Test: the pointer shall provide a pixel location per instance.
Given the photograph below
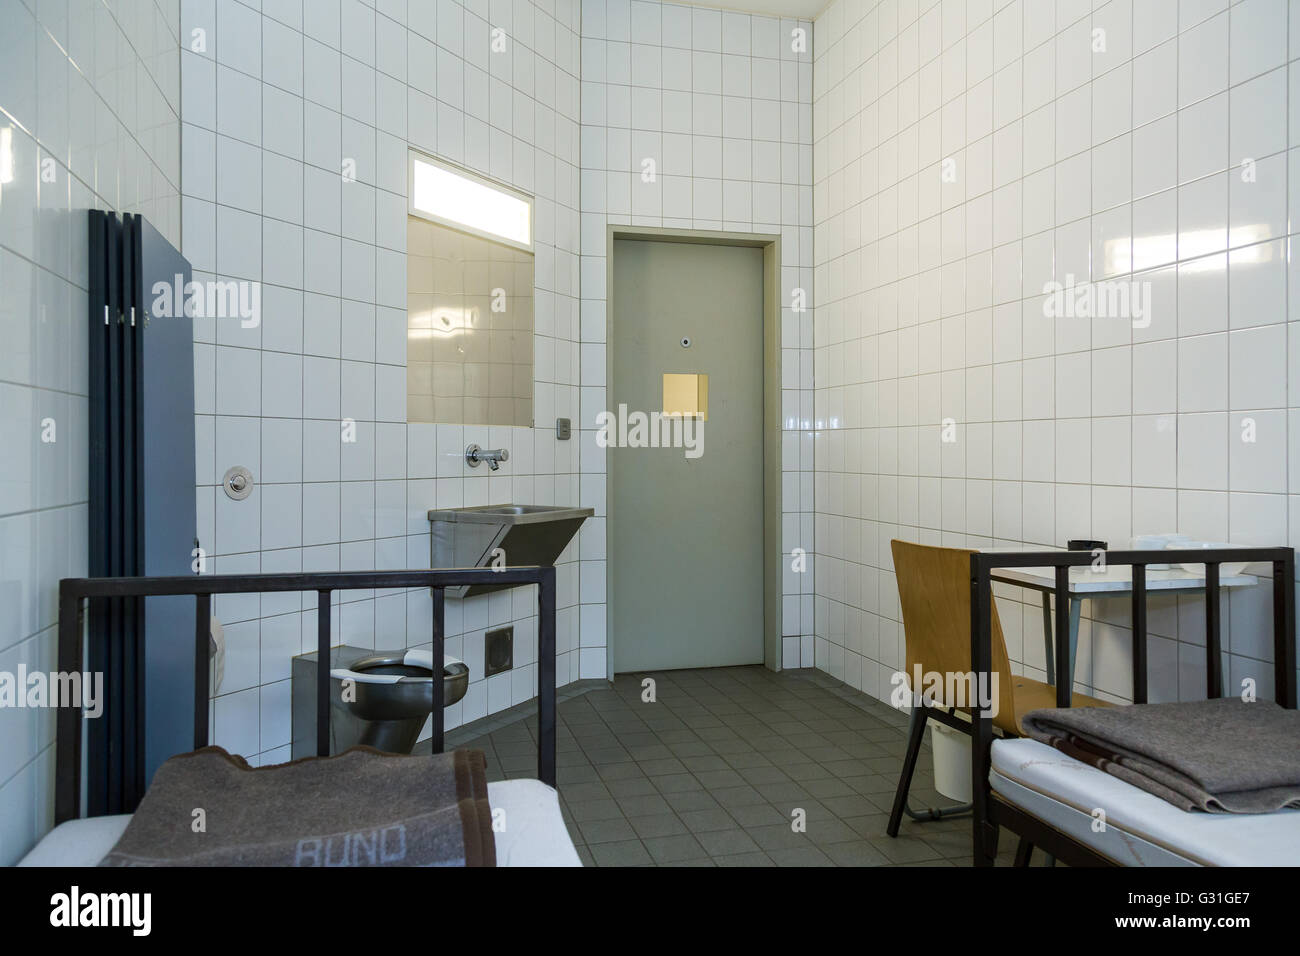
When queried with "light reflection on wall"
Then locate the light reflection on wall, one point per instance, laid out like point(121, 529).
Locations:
point(1122, 255)
point(442, 322)
point(6, 154)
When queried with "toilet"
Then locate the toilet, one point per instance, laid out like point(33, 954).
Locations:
point(391, 694)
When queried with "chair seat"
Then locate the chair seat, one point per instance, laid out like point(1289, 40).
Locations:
point(1030, 694)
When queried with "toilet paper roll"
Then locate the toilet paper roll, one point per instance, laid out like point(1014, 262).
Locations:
point(217, 651)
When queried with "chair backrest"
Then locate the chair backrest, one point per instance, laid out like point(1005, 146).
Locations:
point(934, 592)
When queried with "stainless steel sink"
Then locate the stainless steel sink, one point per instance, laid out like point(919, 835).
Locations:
point(526, 535)
point(520, 514)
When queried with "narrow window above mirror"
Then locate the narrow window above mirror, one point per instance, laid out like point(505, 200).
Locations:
point(458, 198)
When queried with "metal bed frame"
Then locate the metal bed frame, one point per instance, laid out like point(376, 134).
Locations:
point(116, 772)
point(990, 810)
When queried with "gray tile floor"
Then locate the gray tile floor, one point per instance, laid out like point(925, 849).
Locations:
point(713, 772)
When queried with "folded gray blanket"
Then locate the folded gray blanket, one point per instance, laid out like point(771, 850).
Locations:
point(360, 808)
point(1222, 756)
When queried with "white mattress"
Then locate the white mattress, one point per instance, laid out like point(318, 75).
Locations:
point(534, 833)
point(1141, 829)
point(531, 831)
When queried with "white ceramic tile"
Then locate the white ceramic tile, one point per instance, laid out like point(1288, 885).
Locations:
point(1257, 367)
point(1258, 38)
point(1202, 462)
point(1111, 451)
point(237, 727)
point(1155, 82)
point(1256, 106)
point(1257, 286)
point(1155, 376)
point(1155, 443)
point(1202, 373)
point(282, 122)
point(1155, 229)
point(1112, 381)
point(281, 516)
point(1112, 173)
point(1257, 444)
point(239, 105)
point(1203, 138)
point(1153, 23)
point(1203, 295)
point(1202, 60)
point(1257, 201)
point(1073, 450)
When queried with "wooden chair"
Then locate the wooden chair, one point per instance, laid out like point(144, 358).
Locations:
point(934, 593)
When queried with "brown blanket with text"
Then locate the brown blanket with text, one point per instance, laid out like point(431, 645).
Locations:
point(360, 808)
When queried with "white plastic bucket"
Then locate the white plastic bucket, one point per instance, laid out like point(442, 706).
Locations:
point(951, 762)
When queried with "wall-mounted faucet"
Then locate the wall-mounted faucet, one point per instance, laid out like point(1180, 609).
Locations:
point(475, 456)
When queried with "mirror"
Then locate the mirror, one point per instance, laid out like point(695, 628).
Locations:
point(469, 328)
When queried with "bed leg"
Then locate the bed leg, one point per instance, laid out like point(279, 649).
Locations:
point(1024, 850)
point(986, 843)
point(546, 716)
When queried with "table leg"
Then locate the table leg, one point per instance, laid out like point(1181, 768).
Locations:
point(1076, 605)
point(1047, 636)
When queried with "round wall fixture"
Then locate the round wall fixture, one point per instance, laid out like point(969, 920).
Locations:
point(238, 483)
point(686, 341)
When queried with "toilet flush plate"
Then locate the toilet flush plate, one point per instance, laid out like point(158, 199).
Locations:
point(498, 651)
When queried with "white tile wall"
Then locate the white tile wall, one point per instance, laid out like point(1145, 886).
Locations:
point(1133, 139)
point(695, 118)
point(89, 103)
point(278, 103)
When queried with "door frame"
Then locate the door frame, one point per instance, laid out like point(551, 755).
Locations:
point(771, 246)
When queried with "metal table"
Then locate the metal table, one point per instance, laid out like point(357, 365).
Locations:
point(1102, 582)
